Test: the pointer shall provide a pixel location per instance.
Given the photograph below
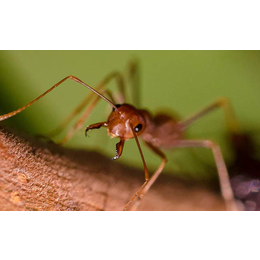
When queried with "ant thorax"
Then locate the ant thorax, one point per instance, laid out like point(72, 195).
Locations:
point(161, 130)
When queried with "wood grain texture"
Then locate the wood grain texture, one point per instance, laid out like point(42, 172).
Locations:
point(37, 175)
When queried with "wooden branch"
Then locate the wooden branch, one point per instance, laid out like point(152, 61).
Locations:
point(36, 175)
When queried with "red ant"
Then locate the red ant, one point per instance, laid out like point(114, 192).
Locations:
point(159, 131)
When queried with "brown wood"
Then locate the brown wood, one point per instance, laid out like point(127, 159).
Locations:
point(38, 175)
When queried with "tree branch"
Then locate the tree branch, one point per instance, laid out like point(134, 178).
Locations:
point(36, 175)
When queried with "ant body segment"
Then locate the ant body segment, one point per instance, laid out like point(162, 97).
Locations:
point(158, 132)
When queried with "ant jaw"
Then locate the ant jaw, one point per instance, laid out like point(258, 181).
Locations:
point(95, 126)
point(119, 149)
point(115, 157)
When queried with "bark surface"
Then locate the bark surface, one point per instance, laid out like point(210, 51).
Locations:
point(37, 175)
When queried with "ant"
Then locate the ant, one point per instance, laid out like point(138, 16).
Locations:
point(159, 131)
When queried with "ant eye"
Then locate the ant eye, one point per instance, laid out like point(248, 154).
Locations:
point(138, 128)
point(116, 106)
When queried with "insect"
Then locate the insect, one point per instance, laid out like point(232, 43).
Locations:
point(160, 131)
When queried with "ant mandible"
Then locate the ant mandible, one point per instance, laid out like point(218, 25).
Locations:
point(159, 131)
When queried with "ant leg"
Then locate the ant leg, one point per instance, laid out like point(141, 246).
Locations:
point(80, 122)
point(87, 112)
point(154, 176)
point(225, 185)
point(121, 88)
point(134, 80)
point(231, 120)
point(78, 125)
point(146, 173)
point(70, 117)
point(115, 75)
point(119, 149)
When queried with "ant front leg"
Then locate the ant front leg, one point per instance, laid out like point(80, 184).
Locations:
point(146, 173)
point(154, 176)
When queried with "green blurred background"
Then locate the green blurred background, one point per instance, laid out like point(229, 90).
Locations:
point(181, 81)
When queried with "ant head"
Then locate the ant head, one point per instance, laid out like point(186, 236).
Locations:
point(120, 121)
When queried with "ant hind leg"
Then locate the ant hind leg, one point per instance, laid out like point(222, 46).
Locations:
point(225, 186)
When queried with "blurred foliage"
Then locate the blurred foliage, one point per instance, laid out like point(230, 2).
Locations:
point(182, 81)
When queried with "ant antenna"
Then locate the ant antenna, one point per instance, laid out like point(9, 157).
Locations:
point(3, 117)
